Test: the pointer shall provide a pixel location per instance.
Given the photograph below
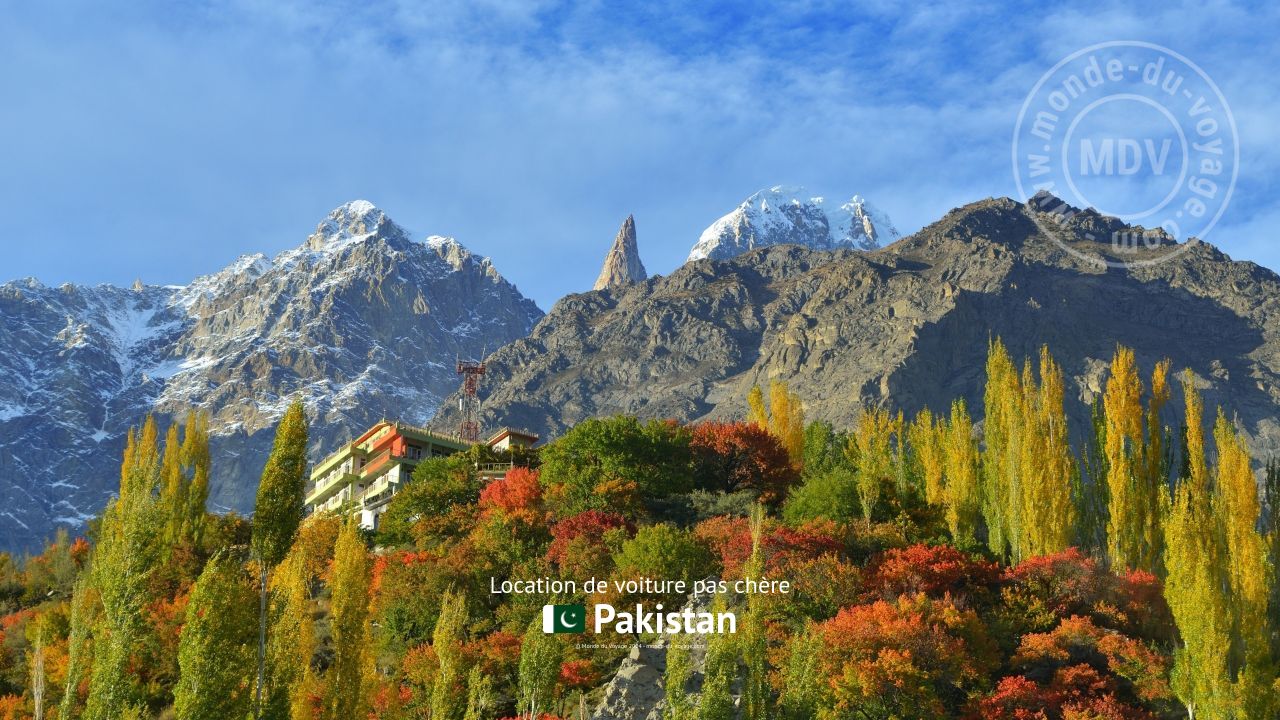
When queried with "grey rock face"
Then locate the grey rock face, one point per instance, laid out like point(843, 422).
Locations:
point(784, 215)
point(906, 325)
point(637, 690)
point(622, 265)
point(361, 321)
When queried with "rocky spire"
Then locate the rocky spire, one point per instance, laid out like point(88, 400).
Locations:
point(622, 265)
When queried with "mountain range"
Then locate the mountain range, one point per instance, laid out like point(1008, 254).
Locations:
point(365, 322)
point(906, 325)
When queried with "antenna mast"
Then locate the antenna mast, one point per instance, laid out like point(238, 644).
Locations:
point(469, 403)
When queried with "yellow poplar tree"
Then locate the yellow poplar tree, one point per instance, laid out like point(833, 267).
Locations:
point(786, 420)
point(1136, 464)
point(925, 437)
point(1046, 465)
point(292, 644)
point(871, 448)
point(784, 417)
point(1194, 560)
point(173, 486)
point(757, 414)
point(350, 603)
point(1001, 400)
point(963, 491)
point(1238, 509)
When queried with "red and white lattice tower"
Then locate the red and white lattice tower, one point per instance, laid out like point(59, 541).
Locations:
point(469, 403)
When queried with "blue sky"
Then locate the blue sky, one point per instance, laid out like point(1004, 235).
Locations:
point(161, 140)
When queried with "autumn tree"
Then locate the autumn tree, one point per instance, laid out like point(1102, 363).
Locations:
point(290, 679)
point(913, 658)
point(350, 600)
point(1136, 464)
point(1045, 465)
point(217, 645)
point(728, 457)
point(783, 417)
point(1195, 559)
point(1001, 506)
point(925, 439)
point(184, 480)
point(1248, 572)
point(874, 449)
point(962, 489)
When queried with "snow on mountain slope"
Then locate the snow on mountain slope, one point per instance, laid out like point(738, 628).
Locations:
point(788, 215)
point(360, 320)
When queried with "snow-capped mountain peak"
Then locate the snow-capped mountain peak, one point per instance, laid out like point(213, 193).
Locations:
point(350, 223)
point(788, 214)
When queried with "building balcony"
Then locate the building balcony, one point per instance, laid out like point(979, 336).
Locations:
point(326, 489)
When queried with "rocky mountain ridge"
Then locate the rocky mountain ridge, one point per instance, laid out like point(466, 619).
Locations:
point(906, 325)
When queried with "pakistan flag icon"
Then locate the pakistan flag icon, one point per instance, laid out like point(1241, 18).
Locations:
point(564, 618)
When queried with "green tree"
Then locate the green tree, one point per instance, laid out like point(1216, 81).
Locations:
point(874, 449)
point(277, 513)
point(1090, 486)
point(823, 448)
point(448, 696)
point(129, 548)
point(756, 693)
point(79, 645)
point(675, 680)
point(350, 603)
point(480, 696)
point(278, 508)
point(173, 487)
point(832, 494)
point(196, 469)
point(217, 644)
point(802, 683)
point(615, 464)
point(539, 669)
point(664, 551)
point(440, 486)
point(719, 671)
